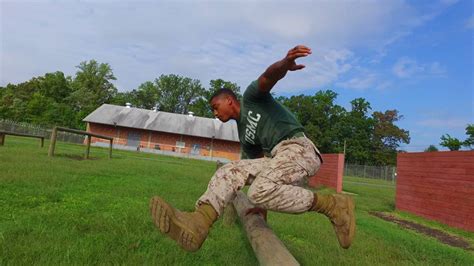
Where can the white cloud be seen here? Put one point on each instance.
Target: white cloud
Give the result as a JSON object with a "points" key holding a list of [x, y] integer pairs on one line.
{"points": [[361, 82], [470, 22], [234, 40], [406, 67]]}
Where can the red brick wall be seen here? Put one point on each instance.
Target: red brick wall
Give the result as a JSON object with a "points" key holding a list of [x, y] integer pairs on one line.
{"points": [[167, 141], [330, 173], [438, 186]]}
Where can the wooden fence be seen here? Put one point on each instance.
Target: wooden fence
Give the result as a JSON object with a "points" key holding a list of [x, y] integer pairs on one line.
{"points": [[330, 173], [3, 133], [54, 134], [438, 186]]}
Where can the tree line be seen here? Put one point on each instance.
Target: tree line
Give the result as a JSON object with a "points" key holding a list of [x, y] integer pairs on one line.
{"points": [[455, 144], [366, 136]]}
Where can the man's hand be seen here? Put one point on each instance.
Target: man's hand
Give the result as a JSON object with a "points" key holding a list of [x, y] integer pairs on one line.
{"points": [[297, 52], [278, 70]]}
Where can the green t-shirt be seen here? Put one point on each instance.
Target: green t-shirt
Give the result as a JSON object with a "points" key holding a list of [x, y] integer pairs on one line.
{"points": [[263, 123]]}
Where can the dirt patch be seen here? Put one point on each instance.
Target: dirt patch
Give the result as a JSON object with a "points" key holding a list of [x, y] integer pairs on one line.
{"points": [[438, 234]]}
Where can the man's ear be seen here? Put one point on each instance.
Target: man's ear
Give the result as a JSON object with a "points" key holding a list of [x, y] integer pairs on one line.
{"points": [[229, 100]]}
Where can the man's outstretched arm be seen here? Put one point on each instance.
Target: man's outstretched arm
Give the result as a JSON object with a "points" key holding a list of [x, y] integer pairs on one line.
{"points": [[278, 70]]}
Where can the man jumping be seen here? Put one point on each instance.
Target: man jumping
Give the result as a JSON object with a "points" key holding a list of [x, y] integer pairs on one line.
{"points": [[276, 157]]}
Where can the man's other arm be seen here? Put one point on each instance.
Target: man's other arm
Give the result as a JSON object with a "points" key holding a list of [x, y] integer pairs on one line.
{"points": [[278, 70]]}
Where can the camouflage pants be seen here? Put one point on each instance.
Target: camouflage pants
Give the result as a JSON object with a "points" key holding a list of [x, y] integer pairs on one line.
{"points": [[275, 183]]}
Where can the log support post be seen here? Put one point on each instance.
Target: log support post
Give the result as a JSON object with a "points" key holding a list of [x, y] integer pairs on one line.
{"points": [[88, 146], [2, 139], [268, 249], [110, 148], [52, 143]]}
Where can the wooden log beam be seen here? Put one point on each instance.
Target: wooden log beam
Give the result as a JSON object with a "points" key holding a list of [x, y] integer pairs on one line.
{"points": [[81, 132], [21, 134], [3, 133], [268, 249]]}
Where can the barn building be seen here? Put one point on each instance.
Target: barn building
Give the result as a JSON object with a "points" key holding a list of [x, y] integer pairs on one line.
{"points": [[165, 133]]}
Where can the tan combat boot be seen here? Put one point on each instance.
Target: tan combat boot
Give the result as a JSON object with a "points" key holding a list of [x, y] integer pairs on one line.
{"points": [[188, 229], [340, 210]]}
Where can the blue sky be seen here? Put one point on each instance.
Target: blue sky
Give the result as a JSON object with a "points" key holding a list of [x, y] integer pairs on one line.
{"points": [[413, 56]]}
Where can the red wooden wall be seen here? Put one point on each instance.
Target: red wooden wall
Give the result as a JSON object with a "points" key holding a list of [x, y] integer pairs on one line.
{"points": [[438, 186], [330, 173]]}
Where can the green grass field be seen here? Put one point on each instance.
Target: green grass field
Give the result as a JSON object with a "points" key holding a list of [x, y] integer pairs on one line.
{"points": [[65, 210]]}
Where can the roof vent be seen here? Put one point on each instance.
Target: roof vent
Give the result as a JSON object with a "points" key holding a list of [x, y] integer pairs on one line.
{"points": [[128, 105], [190, 113]]}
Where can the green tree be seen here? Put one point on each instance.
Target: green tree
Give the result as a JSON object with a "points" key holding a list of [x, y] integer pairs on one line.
{"points": [[387, 137], [469, 142], [42, 100], [121, 98], [369, 139], [55, 86], [7, 101], [431, 148], [453, 144], [321, 118], [172, 93], [146, 96], [217, 84], [92, 87], [200, 105], [360, 127]]}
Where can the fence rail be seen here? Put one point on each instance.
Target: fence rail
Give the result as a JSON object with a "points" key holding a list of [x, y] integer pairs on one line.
{"points": [[368, 171], [26, 128]]}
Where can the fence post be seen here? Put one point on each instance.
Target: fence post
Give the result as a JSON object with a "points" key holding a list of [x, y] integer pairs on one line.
{"points": [[88, 146], [2, 139], [110, 148], [52, 143]]}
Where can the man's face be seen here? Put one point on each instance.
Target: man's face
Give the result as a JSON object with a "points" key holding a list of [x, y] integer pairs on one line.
{"points": [[221, 107]]}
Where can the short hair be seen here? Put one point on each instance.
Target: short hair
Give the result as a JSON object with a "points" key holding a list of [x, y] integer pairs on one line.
{"points": [[223, 91]]}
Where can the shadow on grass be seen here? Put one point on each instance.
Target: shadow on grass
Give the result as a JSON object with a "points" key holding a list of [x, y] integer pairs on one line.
{"points": [[76, 157]]}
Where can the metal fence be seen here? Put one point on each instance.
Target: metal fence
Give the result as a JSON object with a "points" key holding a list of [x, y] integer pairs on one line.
{"points": [[26, 128], [368, 171]]}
